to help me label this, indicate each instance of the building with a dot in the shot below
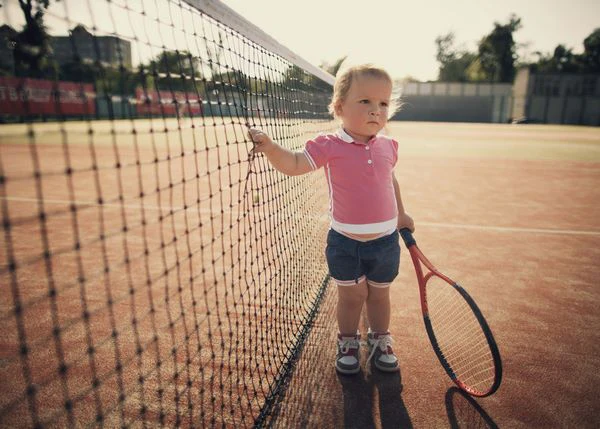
(111, 51)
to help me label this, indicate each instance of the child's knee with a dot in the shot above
(378, 293)
(353, 294)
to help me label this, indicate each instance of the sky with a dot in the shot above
(400, 35)
(396, 34)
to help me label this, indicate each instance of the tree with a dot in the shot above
(475, 72)
(223, 82)
(296, 77)
(78, 71)
(454, 62)
(32, 47)
(562, 60)
(174, 70)
(333, 68)
(446, 52)
(8, 41)
(591, 53)
(406, 79)
(565, 60)
(497, 51)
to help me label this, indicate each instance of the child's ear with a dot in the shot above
(337, 108)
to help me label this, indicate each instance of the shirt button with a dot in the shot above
(367, 148)
(370, 161)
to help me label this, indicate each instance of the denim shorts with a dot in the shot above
(351, 261)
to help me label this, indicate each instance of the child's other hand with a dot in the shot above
(405, 221)
(262, 142)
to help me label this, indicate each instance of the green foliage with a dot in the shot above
(333, 69)
(454, 62)
(457, 70)
(120, 81)
(296, 76)
(496, 57)
(32, 44)
(591, 53)
(497, 52)
(405, 79)
(78, 71)
(563, 60)
(8, 42)
(446, 52)
(173, 70)
(475, 72)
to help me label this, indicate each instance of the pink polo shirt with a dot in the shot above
(361, 189)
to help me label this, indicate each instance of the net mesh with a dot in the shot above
(153, 269)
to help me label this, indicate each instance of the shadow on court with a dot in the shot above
(364, 394)
(464, 412)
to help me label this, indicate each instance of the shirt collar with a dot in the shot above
(343, 135)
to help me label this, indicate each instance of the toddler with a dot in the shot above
(363, 251)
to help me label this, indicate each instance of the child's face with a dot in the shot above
(364, 111)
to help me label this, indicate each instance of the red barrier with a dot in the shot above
(167, 102)
(25, 96)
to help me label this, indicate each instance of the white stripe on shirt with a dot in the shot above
(310, 160)
(367, 228)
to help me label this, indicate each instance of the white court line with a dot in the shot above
(510, 229)
(431, 224)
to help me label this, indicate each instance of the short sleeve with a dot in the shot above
(395, 150)
(318, 151)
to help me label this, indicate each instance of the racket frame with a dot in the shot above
(419, 258)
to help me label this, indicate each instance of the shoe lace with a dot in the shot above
(348, 343)
(383, 342)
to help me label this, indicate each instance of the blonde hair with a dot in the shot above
(344, 81)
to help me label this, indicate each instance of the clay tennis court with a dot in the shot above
(144, 267)
(511, 212)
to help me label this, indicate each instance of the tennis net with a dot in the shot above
(154, 271)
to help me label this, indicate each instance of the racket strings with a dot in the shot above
(459, 335)
(454, 344)
(472, 335)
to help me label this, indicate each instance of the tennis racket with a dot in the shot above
(459, 334)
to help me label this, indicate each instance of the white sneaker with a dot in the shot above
(380, 346)
(347, 360)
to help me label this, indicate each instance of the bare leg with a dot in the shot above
(378, 308)
(349, 307)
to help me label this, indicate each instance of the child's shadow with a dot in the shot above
(360, 392)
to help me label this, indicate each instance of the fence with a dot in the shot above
(455, 102)
(557, 98)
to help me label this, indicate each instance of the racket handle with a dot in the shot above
(408, 238)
